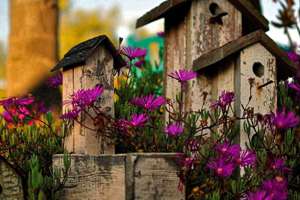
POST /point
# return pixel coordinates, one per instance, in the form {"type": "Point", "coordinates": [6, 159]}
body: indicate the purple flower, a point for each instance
{"type": "Point", "coordinates": [294, 86]}
{"type": "Point", "coordinates": [247, 158]}
{"type": "Point", "coordinates": [225, 99]}
{"type": "Point", "coordinates": [132, 52]}
{"type": "Point", "coordinates": [55, 80]}
{"type": "Point", "coordinates": [276, 189]}
{"type": "Point", "coordinates": [285, 120]}
{"type": "Point", "coordinates": [185, 161]}
{"type": "Point", "coordinates": [279, 164]}
{"type": "Point", "coordinates": [149, 102]}
{"type": "Point", "coordinates": [258, 195]}
{"type": "Point", "coordinates": [139, 63]}
{"type": "Point", "coordinates": [70, 115]}
{"type": "Point", "coordinates": [221, 167]}
{"type": "Point", "coordinates": [229, 150]}
{"type": "Point", "coordinates": [138, 120]}
{"type": "Point", "coordinates": [294, 57]}
{"type": "Point", "coordinates": [14, 101]}
{"type": "Point", "coordinates": [183, 75]}
{"type": "Point", "coordinates": [174, 130]}
{"type": "Point", "coordinates": [86, 97]}
{"type": "Point", "coordinates": [192, 145]}
{"type": "Point", "coordinates": [161, 34]}
{"type": "Point", "coordinates": [7, 117]}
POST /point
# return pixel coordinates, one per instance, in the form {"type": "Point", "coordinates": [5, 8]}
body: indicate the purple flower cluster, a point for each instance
{"type": "Point", "coordinates": [273, 189]}
{"type": "Point", "coordinates": [225, 99]}
{"type": "Point", "coordinates": [285, 120]}
{"type": "Point", "coordinates": [149, 102]}
{"type": "Point", "coordinates": [230, 156]}
{"type": "Point", "coordinates": [81, 100]}
{"type": "Point", "coordinates": [174, 129]}
{"type": "Point", "coordinates": [294, 86]}
{"type": "Point", "coordinates": [137, 120]}
{"type": "Point", "coordinates": [55, 80]}
{"type": "Point", "coordinates": [135, 55]}
{"type": "Point", "coordinates": [183, 75]}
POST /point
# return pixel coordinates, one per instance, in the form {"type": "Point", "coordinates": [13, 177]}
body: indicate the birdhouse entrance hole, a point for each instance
{"type": "Point", "coordinates": [1, 189]}
{"type": "Point", "coordinates": [258, 69]}
{"type": "Point", "coordinates": [213, 7]}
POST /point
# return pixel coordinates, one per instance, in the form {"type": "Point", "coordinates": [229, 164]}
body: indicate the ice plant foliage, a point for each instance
{"type": "Point", "coordinates": [183, 75]}
{"type": "Point", "coordinates": [149, 102]}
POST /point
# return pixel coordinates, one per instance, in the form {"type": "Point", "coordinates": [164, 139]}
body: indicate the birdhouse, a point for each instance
{"type": "Point", "coordinates": [86, 65]}
{"type": "Point", "coordinates": [224, 41]}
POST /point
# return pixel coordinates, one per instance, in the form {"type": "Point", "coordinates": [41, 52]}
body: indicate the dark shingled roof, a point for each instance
{"type": "Point", "coordinates": [79, 54]}
{"type": "Point", "coordinates": [285, 68]}
{"type": "Point", "coordinates": [250, 13]}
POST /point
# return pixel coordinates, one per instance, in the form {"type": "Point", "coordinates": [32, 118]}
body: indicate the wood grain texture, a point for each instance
{"type": "Point", "coordinates": [97, 71]}
{"type": "Point", "coordinates": [138, 176]}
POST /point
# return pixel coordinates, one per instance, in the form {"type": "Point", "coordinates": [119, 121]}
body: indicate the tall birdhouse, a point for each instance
{"type": "Point", "coordinates": [86, 65]}
{"type": "Point", "coordinates": [224, 41]}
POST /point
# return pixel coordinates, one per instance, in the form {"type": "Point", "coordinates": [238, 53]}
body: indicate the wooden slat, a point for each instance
{"type": "Point", "coordinates": [221, 53]}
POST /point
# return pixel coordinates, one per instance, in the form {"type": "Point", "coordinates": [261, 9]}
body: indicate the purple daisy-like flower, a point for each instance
{"type": "Point", "coordinates": [294, 86]}
{"type": "Point", "coordinates": [7, 117]}
{"type": "Point", "coordinates": [247, 158]}
{"type": "Point", "coordinates": [86, 97]}
{"type": "Point", "coordinates": [293, 56]}
{"type": "Point", "coordinates": [55, 80]}
{"type": "Point", "coordinates": [139, 63]}
{"type": "Point", "coordinates": [149, 102]}
{"type": "Point", "coordinates": [228, 149]}
{"type": "Point", "coordinates": [279, 164]}
{"type": "Point", "coordinates": [183, 75]}
{"type": "Point", "coordinates": [258, 195]}
{"type": "Point", "coordinates": [174, 130]}
{"type": "Point", "coordinates": [285, 120]}
{"type": "Point", "coordinates": [225, 99]}
{"type": "Point", "coordinates": [221, 167]}
{"type": "Point", "coordinates": [276, 189]}
{"type": "Point", "coordinates": [138, 120]}
{"type": "Point", "coordinates": [70, 115]}
{"type": "Point", "coordinates": [132, 52]}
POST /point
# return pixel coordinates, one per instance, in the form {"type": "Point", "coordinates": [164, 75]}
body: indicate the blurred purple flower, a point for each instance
{"type": "Point", "coordinates": [247, 158]}
{"type": "Point", "coordinates": [285, 120]}
{"type": "Point", "coordinates": [55, 80]}
{"type": "Point", "coordinates": [221, 167]}
{"type": "Point", "coordinates": [185, 161]}
{"type": "Point", "coordinates": [161, 34]}
{"type": "Point", "coordinates": [70, 115]}
{"type": "Point", "coordinates": [276, 189]}
{"type": "Point", "coordinates": [294, 57]}
{"type": "Point", "coordinates": [192, 145]}
{"type": "Point", "coordinates": [258, 195]}
{"type": "Point", "coordinates": [183, 75]}
{"type": "Point", "coordinates": [294, 86]}
{"type": "Point", "coordinates": [138, 120]}
{"type": "Point", "coordinates": [225, 99]}
{"type": "Point", "coordinates": [279, 164]}
{"type": "Point", "coordinates": [229, 150]}
{"type": "Point", "coordinates": [132, 52]}
{"type": "Point", "coordinates": [14, 101]}
{"type": "Point", "coordinates": [7, 117]}
{"type": "Point", "coordinates": [149, 102]}
{"type": "Point", "coordinates": [174, 130]}
{"type": "Point", "coordinates": [85, 97]}
{"type": "Point", "coordinates": [139, 63]}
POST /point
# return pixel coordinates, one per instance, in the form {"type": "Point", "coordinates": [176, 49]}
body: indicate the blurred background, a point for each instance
{"type": "Point", "coordinates": [34, 34]}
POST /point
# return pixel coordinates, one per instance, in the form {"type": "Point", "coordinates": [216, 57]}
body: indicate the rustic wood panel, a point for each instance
{"type": "Point", "coordinates": [264, 100]}
{"type": "Point", "coordinates": [205, 37]}
{"type": "Point", "coordinates": [138, 176]}
{"type": "Point", "coordinates": [98, 70]}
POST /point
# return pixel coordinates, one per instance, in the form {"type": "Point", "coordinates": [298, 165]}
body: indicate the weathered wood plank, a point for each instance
{"type": "Point", "coordinates": [217, 55]}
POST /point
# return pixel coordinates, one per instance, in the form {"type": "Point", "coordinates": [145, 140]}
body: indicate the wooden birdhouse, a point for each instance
{"type": "Point", "coordinates": [86, 65]}
{"type": "Point", "coordinates": [224, 41]}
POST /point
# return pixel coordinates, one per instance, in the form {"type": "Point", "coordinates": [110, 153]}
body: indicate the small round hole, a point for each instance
{"type": "Point", "coordinates": [213, 7]}
{"type": "Point", "coordinates": [258, 69]}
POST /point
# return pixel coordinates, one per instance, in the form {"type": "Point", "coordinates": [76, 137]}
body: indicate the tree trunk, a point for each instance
{"type": "Point", "coordinates": [33, 47]}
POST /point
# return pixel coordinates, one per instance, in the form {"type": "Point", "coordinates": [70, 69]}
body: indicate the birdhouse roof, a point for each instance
{"type": "Point", "coordinates": [285, 66]}
{"type": "Point", "coordinates": [250, 14]}
{"type": "Point", "coordinates": [78, 55]}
